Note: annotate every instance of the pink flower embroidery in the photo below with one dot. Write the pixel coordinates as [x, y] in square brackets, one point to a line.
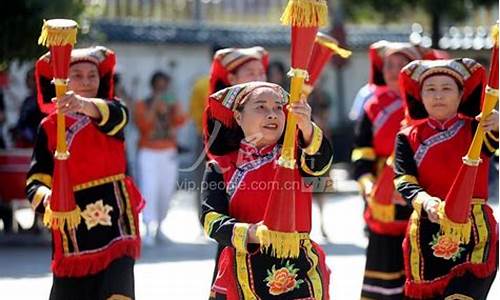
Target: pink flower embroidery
[445, 247]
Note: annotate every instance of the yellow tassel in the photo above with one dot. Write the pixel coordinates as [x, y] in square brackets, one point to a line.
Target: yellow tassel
[382, 212]
[58, 220]
[305, 13]
[281, 244]
[457, 232]
[494, 34]
[335, 48]
[57, 36]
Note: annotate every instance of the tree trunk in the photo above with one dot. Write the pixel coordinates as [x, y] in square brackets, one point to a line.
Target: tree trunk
[436, 29]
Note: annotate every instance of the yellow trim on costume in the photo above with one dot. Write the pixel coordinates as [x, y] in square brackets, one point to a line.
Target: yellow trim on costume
[242, 274]
[317, 138]
[210, 219]
[313, 274]
[42, 177]
[64, 241]
[413, 234]
[239, 238]
[405, 179]
[482, 230]
[492, 136]
[103, 108]
[306, 168]
[367, 153]
[119, 126]
[458, 297]
[384, 275]
[489, 146]
[98, 182]
[40, 194]
[130, 216]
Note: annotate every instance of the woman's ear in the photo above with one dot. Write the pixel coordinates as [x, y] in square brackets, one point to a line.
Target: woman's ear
[237, 117]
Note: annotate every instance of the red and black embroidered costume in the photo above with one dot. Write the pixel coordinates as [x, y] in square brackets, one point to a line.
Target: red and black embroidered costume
[375, 132]
[236, 190]
[428, 157]
[106, 242]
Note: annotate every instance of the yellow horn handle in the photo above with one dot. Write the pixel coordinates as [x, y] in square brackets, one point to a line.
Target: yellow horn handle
[287, 158]
[62, 148]
[490, 101]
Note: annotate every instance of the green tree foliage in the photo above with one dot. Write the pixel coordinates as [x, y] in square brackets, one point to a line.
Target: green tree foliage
[391, 10]
[21, 22]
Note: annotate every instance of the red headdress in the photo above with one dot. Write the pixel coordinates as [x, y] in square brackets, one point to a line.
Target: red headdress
[103, 58]
[469, 74]
[227, 60]
[380, 50]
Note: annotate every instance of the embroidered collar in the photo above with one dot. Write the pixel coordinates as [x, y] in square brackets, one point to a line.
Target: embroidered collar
[441, 126]
[251, 151]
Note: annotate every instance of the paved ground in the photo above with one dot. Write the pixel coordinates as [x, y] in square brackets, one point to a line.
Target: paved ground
[183, 270]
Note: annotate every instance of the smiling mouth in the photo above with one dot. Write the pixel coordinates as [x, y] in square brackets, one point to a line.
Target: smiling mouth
[271, 126]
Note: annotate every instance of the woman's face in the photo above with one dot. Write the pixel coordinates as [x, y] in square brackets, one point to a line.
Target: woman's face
[250, 71]
[441, 97]
[262, 118]
[392, 66]
[84, 79]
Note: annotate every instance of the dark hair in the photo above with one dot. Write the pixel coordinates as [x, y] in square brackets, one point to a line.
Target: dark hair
[278, 65]
[157, 76]
[220, 85]
[214, 48]
[378, 76]
[226, 139]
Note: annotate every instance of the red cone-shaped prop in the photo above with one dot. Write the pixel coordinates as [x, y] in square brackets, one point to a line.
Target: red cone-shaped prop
[60, 36]
[302, 45]
[457, 206]
[280, 214]
[62, 210]
[278, 232]
[324, 48]
[455, 213]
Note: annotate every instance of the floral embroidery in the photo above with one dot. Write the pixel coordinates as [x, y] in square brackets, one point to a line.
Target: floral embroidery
[282, 280]
[445, 247]
[97, 214]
